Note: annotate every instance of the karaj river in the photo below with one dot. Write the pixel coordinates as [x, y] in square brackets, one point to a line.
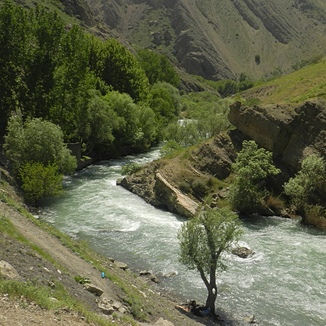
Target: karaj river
[283, 283]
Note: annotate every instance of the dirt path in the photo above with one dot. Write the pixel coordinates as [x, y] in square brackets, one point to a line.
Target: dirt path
[31, 266]
[70, 262]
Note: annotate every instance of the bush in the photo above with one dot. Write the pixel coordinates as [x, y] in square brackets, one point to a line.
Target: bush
[130, 168]
[300, 187]
[315, 215]
[37, 141]
[251, 168]
[39, 181]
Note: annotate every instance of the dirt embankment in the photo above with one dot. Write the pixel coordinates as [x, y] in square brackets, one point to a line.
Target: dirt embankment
[31, 266]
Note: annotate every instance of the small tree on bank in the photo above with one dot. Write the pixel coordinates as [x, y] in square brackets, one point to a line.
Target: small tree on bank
[202, 241]
[253, 165]
[301, 187]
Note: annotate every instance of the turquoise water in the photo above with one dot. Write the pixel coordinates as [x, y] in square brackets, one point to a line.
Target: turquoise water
[283, 283]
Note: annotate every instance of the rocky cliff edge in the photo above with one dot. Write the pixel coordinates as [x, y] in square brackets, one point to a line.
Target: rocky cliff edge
[290, 132]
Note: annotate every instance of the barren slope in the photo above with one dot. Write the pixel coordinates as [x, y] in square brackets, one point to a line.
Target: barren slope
[219, 39]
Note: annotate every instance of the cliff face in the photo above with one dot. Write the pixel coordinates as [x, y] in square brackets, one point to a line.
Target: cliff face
[214, 39]
[291, 133]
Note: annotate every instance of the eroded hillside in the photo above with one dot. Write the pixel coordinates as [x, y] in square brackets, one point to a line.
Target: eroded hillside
[215, 39]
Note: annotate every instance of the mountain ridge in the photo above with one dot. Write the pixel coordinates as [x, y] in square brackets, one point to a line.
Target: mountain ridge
[215, 40]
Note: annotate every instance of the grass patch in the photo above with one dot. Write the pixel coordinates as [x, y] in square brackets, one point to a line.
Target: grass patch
[50, 299]
[297, 87]
[7, 227]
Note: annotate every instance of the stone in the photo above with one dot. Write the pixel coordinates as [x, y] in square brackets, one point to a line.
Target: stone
[154, 278]
[93, 289]
[163, 322]
[242, 252]
[109, 306]
[121, 265]
[7, 271]
[169, 275]
[144, 273]
[106, 307]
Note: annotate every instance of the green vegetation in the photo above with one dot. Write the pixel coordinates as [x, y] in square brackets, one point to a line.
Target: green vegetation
[205, 116]
[68, 86]
[301, 187]
[297, 87]
[158, 68]
[80, 83]
[38, 156]
[228, 87]
[203, 239]
[38, 141]
[130, 168]
[251, 169]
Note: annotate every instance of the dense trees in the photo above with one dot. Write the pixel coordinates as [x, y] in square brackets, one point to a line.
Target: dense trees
[203, 239]
[116, 66]
[39, 157]
[158, 68]
[61, 74]
[69, 86]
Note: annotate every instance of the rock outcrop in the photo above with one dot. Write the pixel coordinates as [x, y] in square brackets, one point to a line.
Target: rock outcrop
[159, 192]
[160, 183]
[290, 132]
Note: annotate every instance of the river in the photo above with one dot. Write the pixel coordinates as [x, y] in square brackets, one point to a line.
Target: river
[283, 283]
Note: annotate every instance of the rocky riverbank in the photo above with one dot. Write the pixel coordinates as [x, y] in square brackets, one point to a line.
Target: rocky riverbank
[291, 133]
[31, 254]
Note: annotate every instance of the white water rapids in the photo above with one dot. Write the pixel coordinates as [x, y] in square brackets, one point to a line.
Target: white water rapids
[283, 283]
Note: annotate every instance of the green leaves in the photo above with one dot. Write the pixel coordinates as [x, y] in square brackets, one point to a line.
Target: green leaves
[158, 68]
[202, 241]
[120, 69]
[37, 141]
[39, 157]
[312, 173]
[204, 237]
[40, 181]
[251, 168]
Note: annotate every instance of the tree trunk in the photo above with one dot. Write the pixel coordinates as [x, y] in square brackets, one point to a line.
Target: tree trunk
[212, 291]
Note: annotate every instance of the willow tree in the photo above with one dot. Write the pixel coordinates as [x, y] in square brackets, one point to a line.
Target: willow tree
[202, 240]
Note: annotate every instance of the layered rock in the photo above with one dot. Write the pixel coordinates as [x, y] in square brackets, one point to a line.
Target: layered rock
[290, 132]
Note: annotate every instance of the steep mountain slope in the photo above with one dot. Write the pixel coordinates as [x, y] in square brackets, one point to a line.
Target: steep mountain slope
[215, 39]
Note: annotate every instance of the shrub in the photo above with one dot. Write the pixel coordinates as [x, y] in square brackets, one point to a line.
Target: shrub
[39, 141]
[39, 181]
[311, 174]
[251, 168]
[130, 168]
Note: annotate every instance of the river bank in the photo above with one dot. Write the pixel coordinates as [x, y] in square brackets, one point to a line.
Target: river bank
[63, 267]
[273, 284]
